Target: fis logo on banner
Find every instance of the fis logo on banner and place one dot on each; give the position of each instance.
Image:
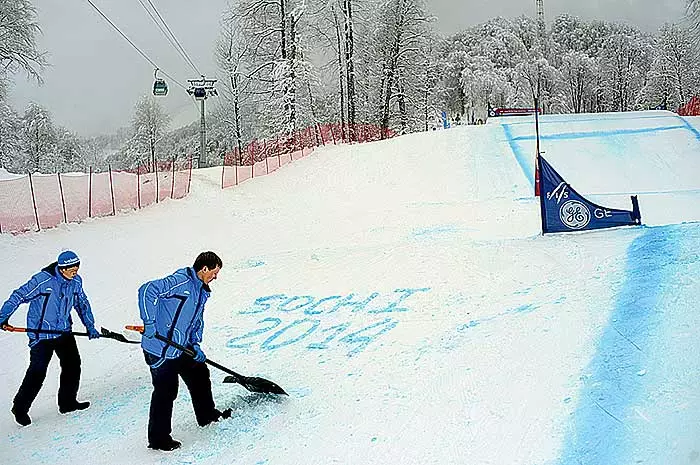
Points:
(564, 210)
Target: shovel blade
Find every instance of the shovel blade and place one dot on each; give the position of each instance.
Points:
(254, 384)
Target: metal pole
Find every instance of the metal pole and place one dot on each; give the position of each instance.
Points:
(537, 157)
(63, 200)
(36, 213)
(537, 125)
(202, 137)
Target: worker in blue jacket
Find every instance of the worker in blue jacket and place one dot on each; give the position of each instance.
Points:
(173, 307)
(52, 294)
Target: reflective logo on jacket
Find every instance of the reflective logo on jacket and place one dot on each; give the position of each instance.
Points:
(176, 305)
(51, 298)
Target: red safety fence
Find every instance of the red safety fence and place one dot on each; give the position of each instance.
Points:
(691, 108)
(36, 202)
(261, 157)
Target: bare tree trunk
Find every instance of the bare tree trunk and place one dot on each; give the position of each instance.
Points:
(341, 72)
(350, 64)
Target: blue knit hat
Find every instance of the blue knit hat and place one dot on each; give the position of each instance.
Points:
(68, 259)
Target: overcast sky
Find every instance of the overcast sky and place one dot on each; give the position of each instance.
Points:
(95, 76)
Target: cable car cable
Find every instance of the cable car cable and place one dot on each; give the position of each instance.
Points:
(134, 45)
(182, 49)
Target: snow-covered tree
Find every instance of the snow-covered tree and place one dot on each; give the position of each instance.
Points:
(39, 140)
(18, 33)
(69, 151)
(693, 14)
(231, 50)
(538, 81)
(404, 26)
(149, 124)
(578, 74)
(10, 139)
(626, 58)
(675, 72)
(271, 31)
(485, 85)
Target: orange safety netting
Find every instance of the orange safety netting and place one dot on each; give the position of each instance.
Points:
(35, 202)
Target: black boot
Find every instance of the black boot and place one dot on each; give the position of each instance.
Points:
(73, 407)
(22, 418)
(166, 445)
(216, 416)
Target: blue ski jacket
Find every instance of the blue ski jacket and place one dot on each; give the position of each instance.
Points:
(51, 298)
(175, 304)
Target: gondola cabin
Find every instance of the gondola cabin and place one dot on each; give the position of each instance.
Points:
(160, 87)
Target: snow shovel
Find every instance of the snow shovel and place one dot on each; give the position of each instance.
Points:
(104, 332)
(251, 383)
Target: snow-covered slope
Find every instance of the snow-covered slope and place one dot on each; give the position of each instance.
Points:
(401, 293)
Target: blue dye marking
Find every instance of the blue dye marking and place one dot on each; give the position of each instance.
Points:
(689, 127)
(593, 134)
(623, 117)
(524, 309)
(598, 433)
(268, 345)
(431, 232)
(255, 263)
(521, 158)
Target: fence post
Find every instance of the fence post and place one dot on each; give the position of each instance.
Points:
(155, 165)
(223, 169)
(189, 180)
(36, 212)
(111, 189)
(138, 186)
(267, 164)
(252, 158)
(320, 132)
(279, 161)
(330, 126)
(90, 195)
(172, 185)
(236, 159)
(63, 199)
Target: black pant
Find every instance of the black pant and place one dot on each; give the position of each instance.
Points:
(165, 384)
(39, 358)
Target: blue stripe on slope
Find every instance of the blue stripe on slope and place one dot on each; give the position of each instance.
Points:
(522, 159)
(598, 433)
(593, 134)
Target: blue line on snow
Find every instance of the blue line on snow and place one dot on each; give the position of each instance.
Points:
(591, 134)
(606, 118)
(527, 167)
(598, 433)
(690, 128)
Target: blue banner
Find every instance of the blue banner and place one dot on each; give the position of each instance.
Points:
(565, 210)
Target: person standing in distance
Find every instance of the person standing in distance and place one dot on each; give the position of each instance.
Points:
(173, 307)
(52, 294)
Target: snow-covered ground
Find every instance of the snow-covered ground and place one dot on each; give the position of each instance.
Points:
(402, 295)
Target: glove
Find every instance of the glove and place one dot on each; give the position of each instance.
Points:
(198, 354)
(149, 331)
(93, 333)
(4, 323)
